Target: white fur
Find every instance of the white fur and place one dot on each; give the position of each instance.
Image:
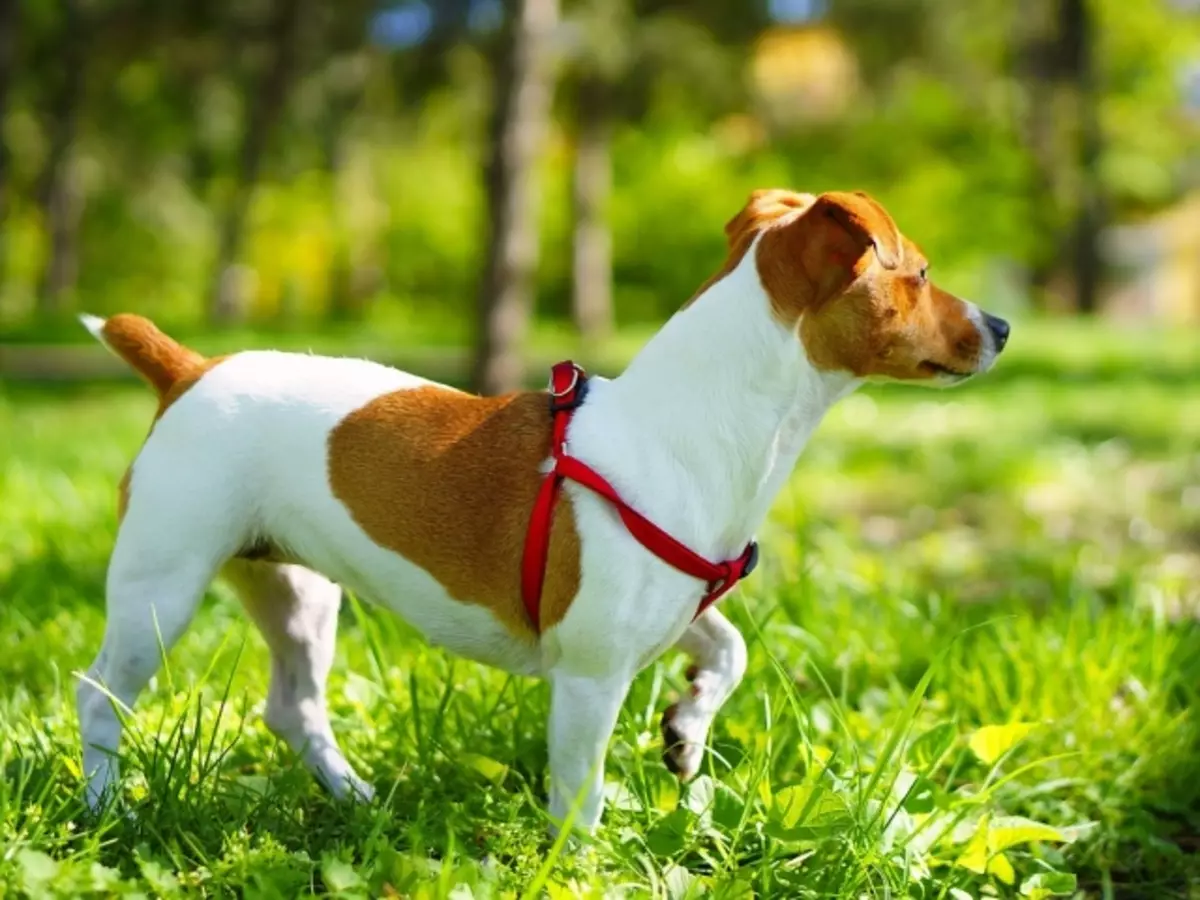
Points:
(94, 324)
(698, 434)
(990, 351)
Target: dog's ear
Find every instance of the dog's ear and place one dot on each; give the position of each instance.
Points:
(813, 247)
(865, 221)
(808, 260)
(763, 208)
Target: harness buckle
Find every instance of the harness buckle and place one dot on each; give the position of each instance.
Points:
(751, 563)
(571, 396)
(748, 561)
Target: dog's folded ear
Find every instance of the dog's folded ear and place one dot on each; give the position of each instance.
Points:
(812, 247)
(865, 221)
(811, 257)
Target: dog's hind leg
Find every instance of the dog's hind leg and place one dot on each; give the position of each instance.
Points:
(296, 610)
(155, 581)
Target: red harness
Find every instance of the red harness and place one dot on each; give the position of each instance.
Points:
(568, 385)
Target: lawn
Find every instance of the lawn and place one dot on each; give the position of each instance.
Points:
(974, 661)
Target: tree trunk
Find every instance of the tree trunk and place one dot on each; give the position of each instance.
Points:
(59, 191)
(1035, 70)
(524, 86)
(227, 303)
(9, 23)
(591, 259)
(1078, 40)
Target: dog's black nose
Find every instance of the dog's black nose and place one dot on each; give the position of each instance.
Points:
(999, 329)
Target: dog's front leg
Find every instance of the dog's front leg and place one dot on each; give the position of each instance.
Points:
(719, 655)
(583, 712)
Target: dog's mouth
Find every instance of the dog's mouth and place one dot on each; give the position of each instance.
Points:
(935, 368)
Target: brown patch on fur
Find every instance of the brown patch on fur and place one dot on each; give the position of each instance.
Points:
(837, 270)
(762, 209)
(166, 365)
(448, 481)
(159, 359)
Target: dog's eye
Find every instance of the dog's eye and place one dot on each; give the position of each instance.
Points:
(924, 276)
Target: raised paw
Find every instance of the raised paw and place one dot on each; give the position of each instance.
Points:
(683, 741)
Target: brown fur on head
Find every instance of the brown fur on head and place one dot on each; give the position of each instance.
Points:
(840, 274)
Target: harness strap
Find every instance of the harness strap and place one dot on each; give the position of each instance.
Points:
(568, 386)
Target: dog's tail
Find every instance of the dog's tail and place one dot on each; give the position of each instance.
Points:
(161, 360)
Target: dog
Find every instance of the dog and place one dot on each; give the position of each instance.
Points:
(292, 475)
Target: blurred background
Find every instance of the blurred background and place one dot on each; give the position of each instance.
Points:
(472, 179)
(471, 189)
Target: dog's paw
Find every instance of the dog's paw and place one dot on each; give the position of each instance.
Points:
(347, 787)
(683, 740)
(106, 802)
(358, 791)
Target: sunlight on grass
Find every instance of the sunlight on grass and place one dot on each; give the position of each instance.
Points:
(973, 666)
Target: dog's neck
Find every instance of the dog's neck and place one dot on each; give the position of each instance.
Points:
(729, 396)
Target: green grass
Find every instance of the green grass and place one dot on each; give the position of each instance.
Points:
(977, 612)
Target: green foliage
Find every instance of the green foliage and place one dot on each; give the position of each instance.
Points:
(944, 572)
(1142, 51)
(934, 130)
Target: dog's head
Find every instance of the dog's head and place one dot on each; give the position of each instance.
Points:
(857, 293)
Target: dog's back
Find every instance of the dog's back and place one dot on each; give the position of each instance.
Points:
(245, 433)
(259, 456)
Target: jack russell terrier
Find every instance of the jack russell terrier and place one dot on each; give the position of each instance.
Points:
(577, 542)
